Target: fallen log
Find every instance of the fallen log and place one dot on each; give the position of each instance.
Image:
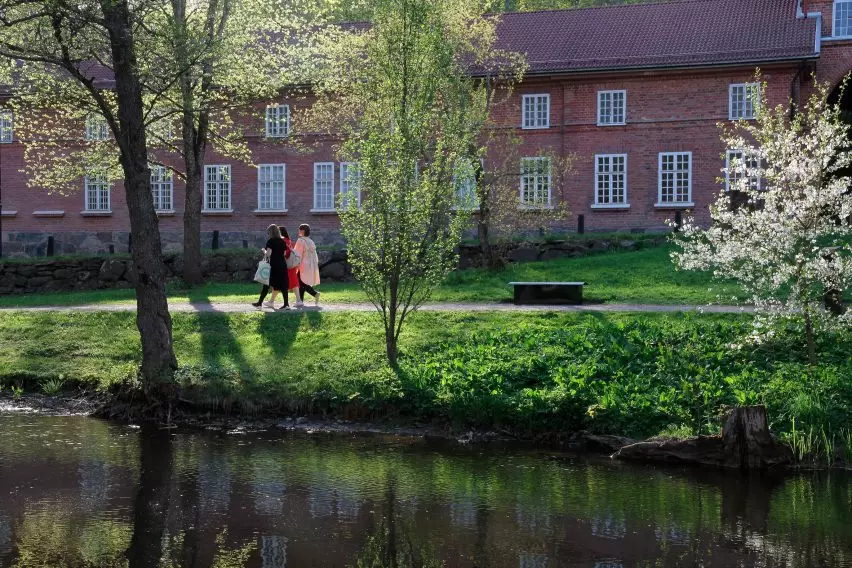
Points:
(745, 443)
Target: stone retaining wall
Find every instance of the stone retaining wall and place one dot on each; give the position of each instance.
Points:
(238, 265)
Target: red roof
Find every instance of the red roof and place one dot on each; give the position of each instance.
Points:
(667, 34)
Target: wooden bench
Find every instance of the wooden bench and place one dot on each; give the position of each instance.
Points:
(548, 292)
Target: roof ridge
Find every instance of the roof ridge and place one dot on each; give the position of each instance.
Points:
(610, 7)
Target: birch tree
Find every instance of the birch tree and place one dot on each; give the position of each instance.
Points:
(784, 230)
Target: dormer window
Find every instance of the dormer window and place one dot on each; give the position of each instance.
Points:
(842, 18)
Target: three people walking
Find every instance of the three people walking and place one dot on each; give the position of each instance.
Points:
(299, 278)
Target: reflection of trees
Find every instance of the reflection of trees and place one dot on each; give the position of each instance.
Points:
(156, 465)
(214, 482)
(273, 551)
(532, 560)
(392, 543)
(94, 482)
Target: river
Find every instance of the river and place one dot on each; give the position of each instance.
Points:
(78, 492)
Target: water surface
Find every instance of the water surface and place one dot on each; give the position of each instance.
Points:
(80, 492)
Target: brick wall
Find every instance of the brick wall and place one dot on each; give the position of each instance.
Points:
(667, 111)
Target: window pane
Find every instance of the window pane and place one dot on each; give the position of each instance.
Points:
(324, 186)
(6, 127)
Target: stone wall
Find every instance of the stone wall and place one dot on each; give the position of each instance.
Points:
(98, 273)
(238, 265)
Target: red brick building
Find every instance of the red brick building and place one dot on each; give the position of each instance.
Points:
(635, 92)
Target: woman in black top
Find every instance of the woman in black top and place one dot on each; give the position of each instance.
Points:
(276, 249)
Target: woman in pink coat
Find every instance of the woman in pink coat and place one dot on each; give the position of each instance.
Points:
(309, 268)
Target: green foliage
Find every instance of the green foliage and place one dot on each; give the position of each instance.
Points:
(53, 386)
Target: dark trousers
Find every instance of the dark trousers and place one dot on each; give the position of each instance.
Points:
(265, 290)
(305, 288)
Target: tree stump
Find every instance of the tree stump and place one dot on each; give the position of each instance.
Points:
(746, 441)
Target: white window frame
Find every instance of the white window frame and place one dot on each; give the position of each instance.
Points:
(275, 200)
(277, 121)
(218, 182)
(347, 181)
(610, 203)
(320, 207)
(163, 189)
(732, 154)
(605, 121)
(535, 179)
(674, 203)
(7, 127)
(532, 101)
(834, 19)
(466, 187)
(99, 183)
(755, 100)
(97, 128)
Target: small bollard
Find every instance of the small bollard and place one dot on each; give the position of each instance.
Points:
(215, 240)
(678, 220)
(245, 243)
(112, 249)
(130, 242)
(50, 245)
(581, 224)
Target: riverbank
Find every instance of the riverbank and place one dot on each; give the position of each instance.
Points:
(531, 374)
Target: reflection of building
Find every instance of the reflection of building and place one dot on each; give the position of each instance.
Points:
(533, 519)
(532, 560)
(94, 484)
(608, 564)
(5, 534)
(214, 483)
(463, 513)
(321, 502)
(268, 497)
(273, 551)
(607, 526)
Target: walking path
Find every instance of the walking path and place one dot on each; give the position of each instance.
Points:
(244, 307)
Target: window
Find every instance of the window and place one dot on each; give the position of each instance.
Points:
(6, 127)
(96, 128)
(612, 108)
(350, 183)
(611, 180)
(277, 121)
(738, 165)
(217, 188)
(464, 182)
(743, 100)
(675, 178)
(536, 111)
(842, 18)
(162, 186)
(535, 182)
(97, 192)
(323, 186)
(271, 187)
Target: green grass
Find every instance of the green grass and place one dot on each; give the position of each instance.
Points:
(645, 276)
(620, 373)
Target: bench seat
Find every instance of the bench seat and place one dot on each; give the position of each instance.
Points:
(548, 292)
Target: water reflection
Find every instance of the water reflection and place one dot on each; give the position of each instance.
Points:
(82, 493)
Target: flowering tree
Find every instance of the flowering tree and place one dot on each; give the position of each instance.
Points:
(784, 230)
(409, 110)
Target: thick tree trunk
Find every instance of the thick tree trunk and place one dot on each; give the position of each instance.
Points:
(152, 315)
(390, 347)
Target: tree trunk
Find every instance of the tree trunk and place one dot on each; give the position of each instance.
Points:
(192, 274)
(152, 310)
(809, 338)
(746, 439)
(390, 346)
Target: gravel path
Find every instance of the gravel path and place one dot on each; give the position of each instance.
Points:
(231, 307)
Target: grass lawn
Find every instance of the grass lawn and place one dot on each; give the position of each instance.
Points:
(645, 276)
(624, 373)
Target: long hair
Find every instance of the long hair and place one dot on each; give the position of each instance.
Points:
(273, 231)
(284, 233)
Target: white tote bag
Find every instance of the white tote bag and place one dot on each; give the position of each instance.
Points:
(263, 272)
